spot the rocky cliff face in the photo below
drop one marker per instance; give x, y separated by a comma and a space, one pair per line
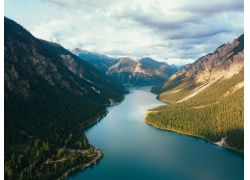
226, 61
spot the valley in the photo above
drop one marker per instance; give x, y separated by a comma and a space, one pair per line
135, 150
129, 71
50, 95
54, 100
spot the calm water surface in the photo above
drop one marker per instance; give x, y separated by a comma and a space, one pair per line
135, 150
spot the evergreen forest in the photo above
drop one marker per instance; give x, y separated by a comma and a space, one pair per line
216, 112
46, 106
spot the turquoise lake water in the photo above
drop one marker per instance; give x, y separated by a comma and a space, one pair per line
135, 150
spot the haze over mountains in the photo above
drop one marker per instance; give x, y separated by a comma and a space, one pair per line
128, 71
178, 67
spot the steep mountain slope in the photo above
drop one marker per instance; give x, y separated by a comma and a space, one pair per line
49, 96
99, 83
100, 61
225, 62
169, 70
128, 71
207, 97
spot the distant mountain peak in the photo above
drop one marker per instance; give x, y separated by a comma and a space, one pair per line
84, 54
127, 70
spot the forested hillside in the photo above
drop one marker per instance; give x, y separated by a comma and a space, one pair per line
128, 71
49, 96
206, 97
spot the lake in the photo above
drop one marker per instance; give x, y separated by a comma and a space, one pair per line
135, 150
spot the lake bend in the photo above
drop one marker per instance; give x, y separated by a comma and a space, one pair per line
135, 150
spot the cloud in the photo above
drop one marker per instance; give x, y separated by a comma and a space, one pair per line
180, 31
172, 23
86, 5
213, 6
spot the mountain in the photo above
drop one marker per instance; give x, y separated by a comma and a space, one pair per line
49, 96
90, 55
100, 61
206, 97
169, 70
178, 67
128, 71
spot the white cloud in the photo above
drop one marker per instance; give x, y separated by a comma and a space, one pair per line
165, 30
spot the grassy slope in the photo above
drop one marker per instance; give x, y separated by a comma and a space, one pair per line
215, 112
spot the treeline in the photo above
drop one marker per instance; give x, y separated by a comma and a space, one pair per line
211, 122
36, 128
33, 164
211, 117
52, 112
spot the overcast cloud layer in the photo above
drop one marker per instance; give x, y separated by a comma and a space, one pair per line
177, 32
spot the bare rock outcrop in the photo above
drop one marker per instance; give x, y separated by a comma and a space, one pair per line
226, 61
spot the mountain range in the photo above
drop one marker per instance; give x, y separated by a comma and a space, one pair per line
99, 61
206, 97
49, 96
166, 68
128, 71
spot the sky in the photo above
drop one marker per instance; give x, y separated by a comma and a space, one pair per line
177, 32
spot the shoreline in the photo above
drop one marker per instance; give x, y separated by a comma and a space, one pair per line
92, 121
82, 166
96, 119
197, 136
